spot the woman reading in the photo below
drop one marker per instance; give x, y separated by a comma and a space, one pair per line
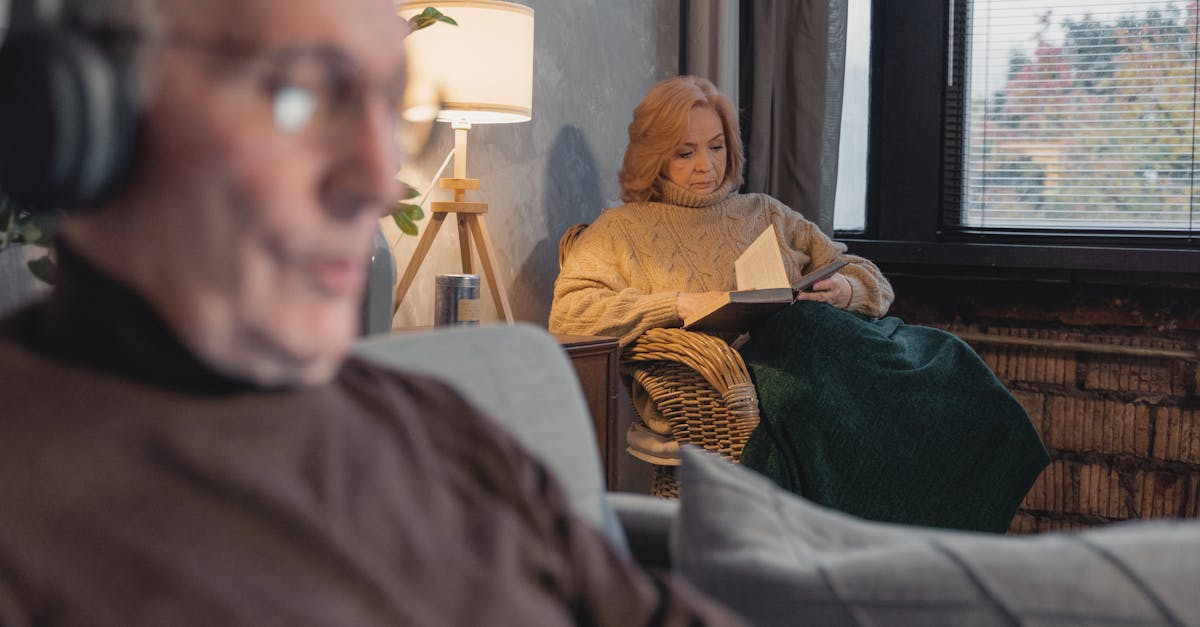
867, 415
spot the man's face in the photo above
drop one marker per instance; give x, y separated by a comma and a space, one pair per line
256, 207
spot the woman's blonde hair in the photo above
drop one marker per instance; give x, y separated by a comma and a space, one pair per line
659, 122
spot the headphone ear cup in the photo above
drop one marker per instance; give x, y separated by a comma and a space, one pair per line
66, 121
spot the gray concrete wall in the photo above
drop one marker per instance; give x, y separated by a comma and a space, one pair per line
594, 60
17, 285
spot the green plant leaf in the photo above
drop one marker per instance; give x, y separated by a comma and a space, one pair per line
409, 192
429, 17
43, 269
413, 212
47, 222
31, 232
407, 226
424, 19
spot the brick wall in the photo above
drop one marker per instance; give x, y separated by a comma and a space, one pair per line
1109, 377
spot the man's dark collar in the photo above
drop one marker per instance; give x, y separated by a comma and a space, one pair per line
94, 320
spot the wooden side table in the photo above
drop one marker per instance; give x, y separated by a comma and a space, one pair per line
595, 359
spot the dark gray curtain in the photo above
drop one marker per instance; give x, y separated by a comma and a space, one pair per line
793, 63
710, 36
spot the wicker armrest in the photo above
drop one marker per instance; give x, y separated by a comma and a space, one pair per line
700, 385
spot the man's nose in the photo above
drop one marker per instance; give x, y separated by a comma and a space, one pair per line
370, 156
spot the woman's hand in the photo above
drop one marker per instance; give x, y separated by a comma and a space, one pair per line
688, 304
836, 290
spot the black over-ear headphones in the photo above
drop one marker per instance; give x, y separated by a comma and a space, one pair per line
68, 111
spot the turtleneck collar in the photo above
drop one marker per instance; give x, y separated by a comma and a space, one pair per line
93, 320
673, 194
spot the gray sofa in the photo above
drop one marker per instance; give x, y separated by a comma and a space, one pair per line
523, 379
781, 560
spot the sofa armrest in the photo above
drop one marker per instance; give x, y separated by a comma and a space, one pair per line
647, 522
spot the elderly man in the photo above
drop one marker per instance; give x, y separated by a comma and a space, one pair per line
183, 440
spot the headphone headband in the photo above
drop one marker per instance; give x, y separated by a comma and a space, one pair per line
32, 15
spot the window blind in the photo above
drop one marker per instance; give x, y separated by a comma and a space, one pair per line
1073, 115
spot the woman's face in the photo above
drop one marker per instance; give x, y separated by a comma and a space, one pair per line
698, 163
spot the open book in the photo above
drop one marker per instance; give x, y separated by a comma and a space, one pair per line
763, 288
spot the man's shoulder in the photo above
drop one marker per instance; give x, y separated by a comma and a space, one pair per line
411, 395
363, 374
432, 415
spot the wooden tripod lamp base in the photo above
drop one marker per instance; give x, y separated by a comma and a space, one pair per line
478, 72
471, 227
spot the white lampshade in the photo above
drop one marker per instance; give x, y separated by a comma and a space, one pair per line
480, 71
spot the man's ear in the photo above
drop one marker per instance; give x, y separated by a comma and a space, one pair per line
69, 104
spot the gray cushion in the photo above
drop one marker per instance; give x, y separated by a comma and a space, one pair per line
520, 376
647, 523
780, 560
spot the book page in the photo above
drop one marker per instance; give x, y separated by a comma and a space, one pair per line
761, 265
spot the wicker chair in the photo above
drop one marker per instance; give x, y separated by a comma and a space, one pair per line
697, 382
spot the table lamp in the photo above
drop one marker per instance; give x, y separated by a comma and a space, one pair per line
478, 72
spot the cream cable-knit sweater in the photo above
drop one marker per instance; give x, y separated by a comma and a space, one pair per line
623, 273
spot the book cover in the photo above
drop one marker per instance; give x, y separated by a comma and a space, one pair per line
812, 278
740, 310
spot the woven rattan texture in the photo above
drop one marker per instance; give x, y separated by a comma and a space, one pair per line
701, 387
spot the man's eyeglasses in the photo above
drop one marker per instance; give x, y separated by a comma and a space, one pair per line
313, 93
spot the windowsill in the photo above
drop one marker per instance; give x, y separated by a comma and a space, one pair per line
1055, 263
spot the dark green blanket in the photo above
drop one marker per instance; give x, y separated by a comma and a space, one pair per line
887, 421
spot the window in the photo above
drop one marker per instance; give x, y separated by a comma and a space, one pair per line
1078, 115
1048, 134
849, 212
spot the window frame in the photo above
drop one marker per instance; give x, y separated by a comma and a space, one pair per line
906, 169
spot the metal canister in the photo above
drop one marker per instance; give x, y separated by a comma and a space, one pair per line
457, 300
